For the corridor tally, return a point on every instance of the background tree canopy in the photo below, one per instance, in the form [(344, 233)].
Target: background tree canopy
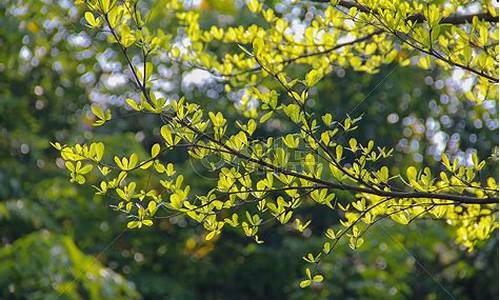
[(248, 149)]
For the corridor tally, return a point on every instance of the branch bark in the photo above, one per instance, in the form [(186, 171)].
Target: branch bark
[(455, 19)]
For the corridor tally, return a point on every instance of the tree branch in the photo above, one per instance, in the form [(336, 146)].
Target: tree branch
[(454, 19), (332, 185), (347, 187)]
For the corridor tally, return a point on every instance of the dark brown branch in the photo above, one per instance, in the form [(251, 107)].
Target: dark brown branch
[(454, 19), (457, 19)]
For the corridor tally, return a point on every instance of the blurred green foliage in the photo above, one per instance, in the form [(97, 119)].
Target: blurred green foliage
[(60, 242), (42, 265)]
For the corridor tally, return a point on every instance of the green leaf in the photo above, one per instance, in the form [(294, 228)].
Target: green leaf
[(133, 224), (134, 105), (411, 173), (312, 78), (290, 141), (56, 145), (327, 119), (305, 283), (155, 150), (99, 151), (210, 235), (293, 112), (266, 117), (89, 17), (147, 222), (152, 207), (338, 152), (353, 144), (325, 138), (85, 169), (326, 247), (132, 162), (97, 111), (70, 166), (149, 70), (167, 135)]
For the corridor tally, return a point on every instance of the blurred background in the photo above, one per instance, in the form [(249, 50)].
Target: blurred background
[(59, 241)]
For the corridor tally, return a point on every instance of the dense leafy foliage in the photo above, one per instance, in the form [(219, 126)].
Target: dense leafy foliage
[(268, 178), (55, 65), (66, 271)]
